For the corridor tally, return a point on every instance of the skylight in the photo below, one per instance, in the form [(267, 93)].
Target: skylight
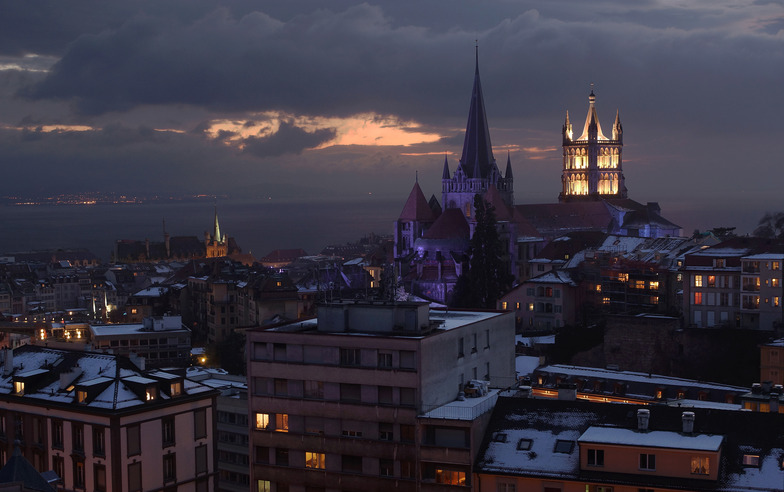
[(565, 447)]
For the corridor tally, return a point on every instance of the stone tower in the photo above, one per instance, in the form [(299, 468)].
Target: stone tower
[(592, 163)]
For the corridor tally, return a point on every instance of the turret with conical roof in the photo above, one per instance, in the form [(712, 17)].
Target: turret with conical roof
[(592, 163), (477, 168)]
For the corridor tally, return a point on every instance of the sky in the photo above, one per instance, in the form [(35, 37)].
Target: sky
[(346, 100)]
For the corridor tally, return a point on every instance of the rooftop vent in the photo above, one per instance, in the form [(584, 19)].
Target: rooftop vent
[(643, 418), (688, 422)]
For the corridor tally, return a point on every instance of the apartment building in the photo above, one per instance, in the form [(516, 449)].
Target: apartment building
[(762, 288), (576, 446), (102, 423), (335, 402)]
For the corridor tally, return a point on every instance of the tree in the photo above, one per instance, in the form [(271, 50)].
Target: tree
[(487, 276), (771, 225)]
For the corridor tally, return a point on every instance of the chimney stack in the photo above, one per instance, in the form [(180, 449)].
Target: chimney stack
[(643, 417), (688, 422)]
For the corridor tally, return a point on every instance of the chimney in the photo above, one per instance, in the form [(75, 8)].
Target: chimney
[(567, 391), (643, 417), (8, 366), (774, 402), (688, 422)]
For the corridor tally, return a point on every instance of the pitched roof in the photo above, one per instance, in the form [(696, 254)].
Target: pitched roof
[(493, 197), (477, 149), (416, 207), (18, 470), (451, 224)]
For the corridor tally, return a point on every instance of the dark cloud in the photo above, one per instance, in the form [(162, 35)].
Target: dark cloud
[(289, 139)]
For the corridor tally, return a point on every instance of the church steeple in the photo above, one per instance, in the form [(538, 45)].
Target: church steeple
[(508, 173), (216, 228), (477, 149), (592, 129), (445, 174), (617, 132)]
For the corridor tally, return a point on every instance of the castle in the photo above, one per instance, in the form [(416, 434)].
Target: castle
[(431, 242)]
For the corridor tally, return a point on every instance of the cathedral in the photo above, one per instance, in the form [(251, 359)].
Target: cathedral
[(431, 241)]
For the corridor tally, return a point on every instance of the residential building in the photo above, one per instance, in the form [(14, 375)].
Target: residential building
[(762, 291), (575, 446), (337, 402), (102, 422), (772, 361)]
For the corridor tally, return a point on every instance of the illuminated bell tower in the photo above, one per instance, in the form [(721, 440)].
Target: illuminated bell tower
[(592, 164), (217, 245)]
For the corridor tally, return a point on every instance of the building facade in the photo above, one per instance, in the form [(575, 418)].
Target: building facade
[(334, 401)]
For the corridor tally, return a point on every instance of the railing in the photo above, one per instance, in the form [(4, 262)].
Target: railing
[(451, 412)]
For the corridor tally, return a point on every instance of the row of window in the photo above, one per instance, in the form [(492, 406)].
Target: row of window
[(473, 341), (168, 435), (344, 356), (279, 422), (344, 392), (347, 464), (699, 465)]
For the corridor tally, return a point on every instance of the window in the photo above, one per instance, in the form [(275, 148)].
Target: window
[(99, 446), (167, 431), (351, 464), (385, 360), (99, 477), (263, 486), (653, 285), (200, 423), (450, 477), (711, 280), (135, 477), (386, 468), (698, 298), (262, 421), (350, 392), (169, 467), (78, 471), (407, 359), (78, 437), (524, 444), (134, 440), (385, 431), (407, 433), (282, 457), (314, 389), (281, 422), (505, 487), (596, 457), (460, 350), (564, 446), (314, 460), (698, 280), (58, 466), (700, 465), (407, 396), (201, 459), (499, 437), (57, 434), (81, 396), (385, 395), (647, 461), (281, 387), (751, 460), (349, 357), (351, 433)]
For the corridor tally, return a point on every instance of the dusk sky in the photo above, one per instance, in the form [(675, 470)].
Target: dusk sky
[(314, 100)]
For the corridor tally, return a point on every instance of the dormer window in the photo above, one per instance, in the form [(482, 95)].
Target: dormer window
[(19, 387), (152, 393), (176, 388), (751, 460), (81, 396)]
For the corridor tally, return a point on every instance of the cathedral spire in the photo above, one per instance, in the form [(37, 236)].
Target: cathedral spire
[(477, 149), (508, 173), (592, 129), (617, 131), (568, 134), (445, 174), (216, 228)]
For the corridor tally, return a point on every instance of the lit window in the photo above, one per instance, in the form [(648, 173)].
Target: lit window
[(598, 287), (176, 388), (19, 387), (775, 265), (698, 280), (517, 305), (774, 282), (776, 301), (151, 393), (653, 285), (606, 301), (263, 486), (654, 299), (81, 396), (262, 421), (314, 460), (700, 466), (679, 277), (450, 477), (530, 306), (282, 422), (698, 298), (503, 305)]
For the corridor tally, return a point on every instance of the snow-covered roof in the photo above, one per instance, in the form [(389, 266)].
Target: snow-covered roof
[(654, 439)]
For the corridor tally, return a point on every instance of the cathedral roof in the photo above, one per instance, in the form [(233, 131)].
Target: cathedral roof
[(493, 197), (18, 470), (416, 207), (592, 121), (451, 224), (477, 150)]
